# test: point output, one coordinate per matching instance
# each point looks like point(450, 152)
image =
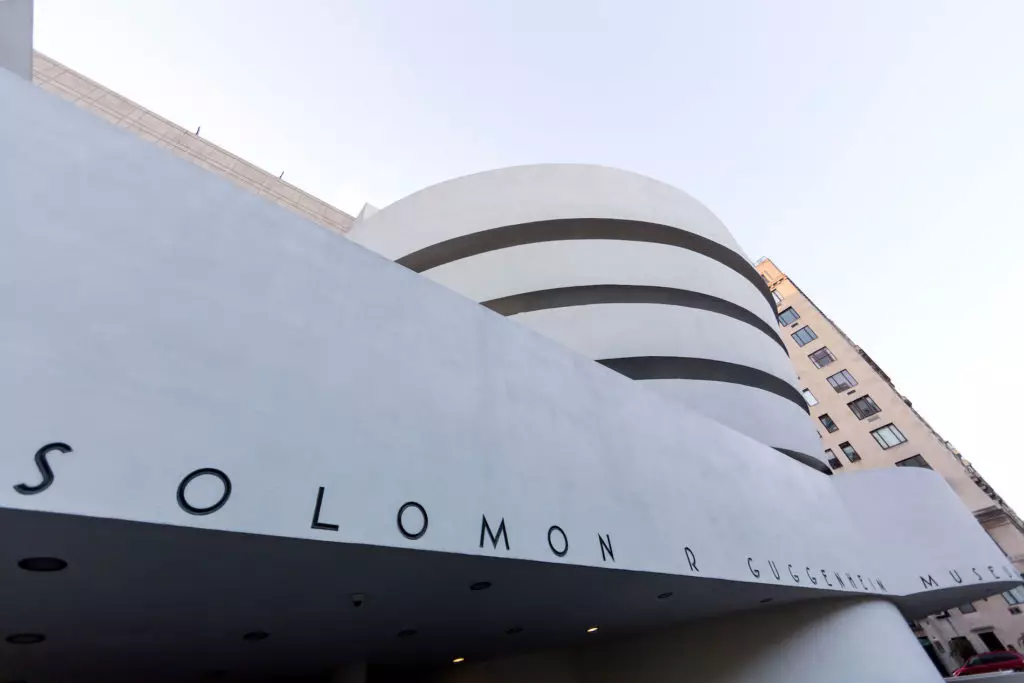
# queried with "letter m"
point(929, 581)
point(485, 529)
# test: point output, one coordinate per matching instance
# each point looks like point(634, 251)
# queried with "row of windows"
point(853, 456)
point(886, 437)
point(841, 381)
point(1013, 597)
point(849, 451)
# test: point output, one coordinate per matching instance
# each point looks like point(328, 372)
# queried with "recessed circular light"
point(767, 600)
point(25, 638)
point(407, 633)
point(480, 586)
point(515, 630)
point(458, 660)
point(591, 629)
point(665, 596)
point(253, 636)
point(42, 564)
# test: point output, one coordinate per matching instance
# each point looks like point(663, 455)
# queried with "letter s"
point(44, 469)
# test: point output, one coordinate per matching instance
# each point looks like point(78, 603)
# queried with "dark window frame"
point(855, 456)
point(791, 320)
point(843, 385)
point(828, 354)
point(833, 461)
point(881, 444)
point(825, 419)
point(807, 341)
point(858, 410)
point(914, 461)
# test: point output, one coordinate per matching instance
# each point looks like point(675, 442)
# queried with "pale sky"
point(873, 149)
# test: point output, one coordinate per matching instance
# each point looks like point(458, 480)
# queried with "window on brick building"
point(864, 407)
point(788, 316)
point(804, 335)
point(830, 426)
point(849, 451)
point(842, 380)
point(833, 461)
point(915, 461)
point(888, 436)
point(822, 357)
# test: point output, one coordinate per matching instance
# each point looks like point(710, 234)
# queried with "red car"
point(991, 662)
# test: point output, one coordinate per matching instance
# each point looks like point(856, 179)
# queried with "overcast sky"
point(874, 150)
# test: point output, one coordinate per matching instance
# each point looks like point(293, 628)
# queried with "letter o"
point(193, 510)
point(565, 542)
point(401, 524)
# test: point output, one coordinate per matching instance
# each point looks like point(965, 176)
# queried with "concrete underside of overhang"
point(170, 602)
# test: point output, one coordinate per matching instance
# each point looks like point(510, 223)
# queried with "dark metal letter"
point(565, 541)
point(691, 559)
point(193, 510)
point(44, 469)
point(502, 533)
point(606, 546)
point(412, 536)
point(750, 566)
point(317, 524)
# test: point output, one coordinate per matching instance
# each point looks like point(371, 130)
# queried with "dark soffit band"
point(803, 458)
point(675, 367)
point(584, 295)
point(561, 229)
point(808, 460)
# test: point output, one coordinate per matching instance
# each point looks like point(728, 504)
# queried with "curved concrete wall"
point(621, 268)
point(178, 334)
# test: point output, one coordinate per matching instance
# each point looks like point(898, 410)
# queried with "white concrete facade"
point(615, 266)
point(221, 463)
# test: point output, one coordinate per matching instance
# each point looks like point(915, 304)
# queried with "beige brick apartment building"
point(864, 422)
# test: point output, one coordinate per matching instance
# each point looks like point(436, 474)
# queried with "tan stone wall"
point(73, 86)
point(993, 614)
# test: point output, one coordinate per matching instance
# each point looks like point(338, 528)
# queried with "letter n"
point(606, 547)
point(485, 528)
